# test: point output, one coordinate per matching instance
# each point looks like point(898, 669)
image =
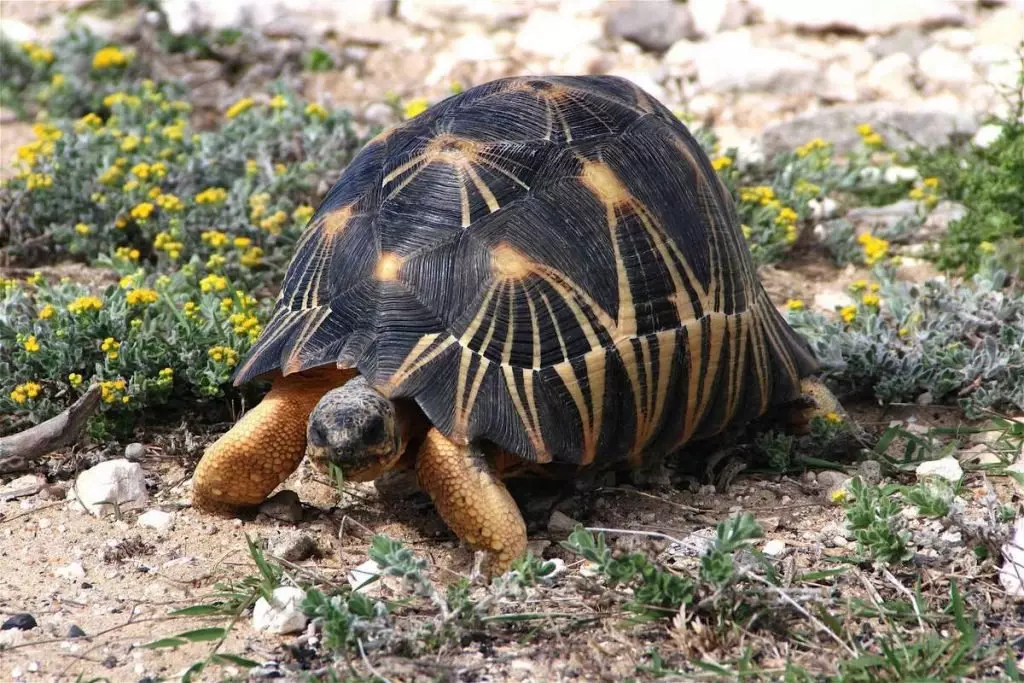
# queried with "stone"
point(840, 85)
point(869, 471)
point(913, 269)
point(830, 300)
point(900, 174)
point(1003, 28)
point(822, 209)
point(284, 506)
point(293, 546)
point(938, 220)
point(696, 544)
point(861, 16)
point(361, 578)
point(986, 135)
point(929, 127)
point(134, 451)
point(71, 572)
point(774, 548)
point(954, 38)
point(829, 478)
point(555, 35)
point(561, 524)
point(892, 76)
point(944, 468)
point(279, 18)
point(27, 485)
point(439, 14)
point(18, 31)
point(282, 613)
point(979, 455)
point(944, 66)
point(1011, 573)
point(75, 632)
point(910, 40)
point(156, 519)
point(884, 216)
point(23, 621)
point(730, 61)
point(110, 485)
point(711, 16)
point(652, 24)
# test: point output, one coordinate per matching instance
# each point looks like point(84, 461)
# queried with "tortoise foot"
point(472, 500)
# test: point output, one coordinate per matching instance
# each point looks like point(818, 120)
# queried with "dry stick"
point(18, 450)
point(906, 591)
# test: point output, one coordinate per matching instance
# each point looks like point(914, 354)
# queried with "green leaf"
point(165, 642)
point(226, 658)
point(198, 610)
point(201, 635)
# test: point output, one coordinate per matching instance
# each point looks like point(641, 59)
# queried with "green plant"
point(873, 517)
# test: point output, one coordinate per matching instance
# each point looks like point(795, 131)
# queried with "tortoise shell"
point(548, 264)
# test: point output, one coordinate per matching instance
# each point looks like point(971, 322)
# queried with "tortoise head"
point(357, 429)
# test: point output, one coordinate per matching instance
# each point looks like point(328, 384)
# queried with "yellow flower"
point(251, 257)
point(127, 253)
point(242, 242)
point(110, 390)
point(129, 143)
point(212, 195)
point(109, 57)
point(250, 167)
point(280, 169)
point(806, 188)
point(810, 146)
point(858, 286)
point(215, 238)
point(931, 182)
point(191, 309)
point(111, 175)
point(302, 214)
point(871, 300)
point(140, 171)
point(226, 304)
point(166, 373)
point(278, 102)
point(57, 80)
point(39, 180)
point(75, 379)
point(141, 296)
point(258, 205)
point(34, 279)
point(833, 417)
point(865, 129)
point(848, 313)
point(90, 120)
point(130, 101)
point(839, 495)
point(213, 283)
point(24, 392)
point(746, 230)
point(215, 261)
point(142, 211)
point(32, 344)
point(131, 186)
point(111, 347)
point(986, 247)
point(415, 107)
point(795, 305)
point(273, 223)
point(82, 229)
point(786, 216)
point(718, 163)
point(36, 53)
point(875, 248)
point(874, 140)
point(316, 111)
point(223, 354)
point(169, 202)
point(85, 303)
point(239, 107)
point(159, 169)
point(174, 132)
point(761, 194)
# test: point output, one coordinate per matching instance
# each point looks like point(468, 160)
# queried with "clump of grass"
point(960, 342)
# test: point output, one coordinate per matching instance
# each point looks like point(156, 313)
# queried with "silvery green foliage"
point(959, 343)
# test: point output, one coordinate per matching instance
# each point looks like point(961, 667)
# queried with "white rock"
point(987, 134)
point(831, 300)
point(774, 548)
point(822, 209)
point(840, 84)
point(279, 17)
point(1011, 574)
point(652, 24)
point(282, 613)
point(892, 76)
point(554, 34)
point(114, 482)
point(863, 16)
point(71, 572)
point(156, 519)
point(711, 16)
point(954, 38)
point(17, 31)
point(900, 174)
point(358, 577)
point(945, 468)
point(730, 61)
point(438, 14)
point(944, 66)
point(1004, 27)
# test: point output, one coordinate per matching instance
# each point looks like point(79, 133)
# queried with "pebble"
point(651, 24)
point(561, 524)
point(359, 576)
point(730, 61)
point(863, 16)
point(693, 545)
point(944, 468)
point(293, 546)
point(869, 471)
point(23, 621)
point(75, 632)
point(281, 614)
point(830, 478)
point(986, 135)
point(945, 67)
point(71, 572)
point(156, 519)
point(774, 548)
point(284, 506)
point(109, 484)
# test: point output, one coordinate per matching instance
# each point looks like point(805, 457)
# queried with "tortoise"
point(543, 268)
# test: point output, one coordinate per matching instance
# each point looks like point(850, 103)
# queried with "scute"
point(549, 264)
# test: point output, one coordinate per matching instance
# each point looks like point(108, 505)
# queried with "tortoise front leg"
point(471, 499)
point(249, 461)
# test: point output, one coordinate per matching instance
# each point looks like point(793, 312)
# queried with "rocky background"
point(766, 74)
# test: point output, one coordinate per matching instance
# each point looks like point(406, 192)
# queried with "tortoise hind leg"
point(471, 499)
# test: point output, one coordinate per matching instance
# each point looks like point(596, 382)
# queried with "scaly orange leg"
point(471, 499)
point(250, 460)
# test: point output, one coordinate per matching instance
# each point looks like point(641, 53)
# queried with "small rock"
point(979, 455)
point(822, 209)
point(110, 484)
point(831, 300)
point(769, 524)
point(293, 546)
point(134, 451)
point(944, 66)
point(892, 76)
point(11, 637)
point(945, 468)
point(884, 216)
point(900, 174)
point(379, 114)
point(774, 548)
point(282, 613)
point(986, 135)
point(28, 485)
point(359, 576)
point(71, 572)
point(110, 662)
point(840, 85)
point(918, 270)
point(156, 519)
point(553, 34)
point(869, 471)
point(862, 16)
point(53, 492)
point(75, 632)
point(1011, 574)
point(829, 478)
point(730, 61)
point(22, 621)
point(653, 25)
point(711, 16)
point(696, 544)
point(18, 31)
point(284, 506)
point(561, 524)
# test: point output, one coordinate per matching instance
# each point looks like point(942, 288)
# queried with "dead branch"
point(18, 450)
